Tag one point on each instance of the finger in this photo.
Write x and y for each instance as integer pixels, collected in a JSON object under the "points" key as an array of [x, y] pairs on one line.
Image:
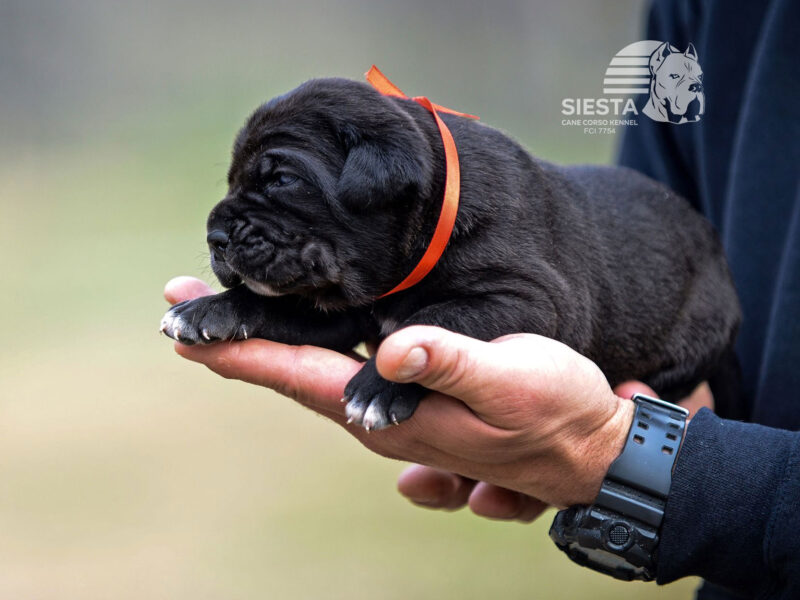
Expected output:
{"points": [[434, 488], [701, 397], [316, 378], [494, 502], [183, 288], [313, 376], [627, 389], [453, 364]]}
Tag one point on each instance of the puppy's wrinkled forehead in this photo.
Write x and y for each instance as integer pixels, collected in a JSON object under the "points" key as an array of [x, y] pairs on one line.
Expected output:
{"points": [[309, 128]]}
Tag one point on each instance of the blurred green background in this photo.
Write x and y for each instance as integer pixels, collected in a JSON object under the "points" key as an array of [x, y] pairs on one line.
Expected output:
{"points": [[126, 472]]}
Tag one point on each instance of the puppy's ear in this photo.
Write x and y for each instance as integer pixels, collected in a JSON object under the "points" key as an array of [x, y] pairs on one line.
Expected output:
{"points": [[383, 167], [691, 52], [658, 56]]}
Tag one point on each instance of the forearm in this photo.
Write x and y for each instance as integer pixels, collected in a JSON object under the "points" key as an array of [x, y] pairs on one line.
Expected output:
{"points": [[732, 514]]}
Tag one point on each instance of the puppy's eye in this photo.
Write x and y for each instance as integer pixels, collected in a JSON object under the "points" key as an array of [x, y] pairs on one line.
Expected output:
{"points": [[283, 179], [674, 75]]}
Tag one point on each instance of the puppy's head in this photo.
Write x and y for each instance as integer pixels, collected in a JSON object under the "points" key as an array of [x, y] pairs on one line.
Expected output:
{"points": [[677, 82], [319, 185]]}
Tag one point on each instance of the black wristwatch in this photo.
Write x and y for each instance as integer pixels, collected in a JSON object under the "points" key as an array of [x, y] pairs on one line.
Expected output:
{"points": [[618, 535]]}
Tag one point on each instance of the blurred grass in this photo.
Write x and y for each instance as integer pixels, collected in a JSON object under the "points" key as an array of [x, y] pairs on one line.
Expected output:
{"points": [[126, 472]]}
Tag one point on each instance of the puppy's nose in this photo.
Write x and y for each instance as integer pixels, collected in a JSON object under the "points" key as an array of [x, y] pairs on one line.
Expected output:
{"points": [[696, 87], [217, 239]]}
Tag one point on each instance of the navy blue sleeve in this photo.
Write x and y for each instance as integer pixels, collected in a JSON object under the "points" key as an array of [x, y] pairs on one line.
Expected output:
{"points": [[733, 512]]}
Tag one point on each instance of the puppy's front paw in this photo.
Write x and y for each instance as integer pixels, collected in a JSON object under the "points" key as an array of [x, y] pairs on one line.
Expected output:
{"points": [[202, 321], [376, 403]]}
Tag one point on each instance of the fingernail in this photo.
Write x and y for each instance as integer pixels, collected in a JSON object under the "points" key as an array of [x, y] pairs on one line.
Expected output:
{"points": [[413, 364], [427, 502]]}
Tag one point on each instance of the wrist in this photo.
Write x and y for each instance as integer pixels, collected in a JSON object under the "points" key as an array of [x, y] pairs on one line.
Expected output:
{"points": [[606, 445]]}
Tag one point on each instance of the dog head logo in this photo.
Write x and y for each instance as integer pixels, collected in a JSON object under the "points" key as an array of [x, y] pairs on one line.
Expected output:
{"points": [[676, 85]]}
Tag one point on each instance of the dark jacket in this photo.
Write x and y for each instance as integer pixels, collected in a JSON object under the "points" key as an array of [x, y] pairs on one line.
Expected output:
{"points": [[733, 513]]}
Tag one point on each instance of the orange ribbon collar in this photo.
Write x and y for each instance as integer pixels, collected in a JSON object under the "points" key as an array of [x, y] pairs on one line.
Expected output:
{"points": [[447, 216]]}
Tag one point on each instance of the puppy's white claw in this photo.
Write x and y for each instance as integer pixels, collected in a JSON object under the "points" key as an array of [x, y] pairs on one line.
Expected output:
{"points": [[177, 333], [343, 400], [394, 419], [205, 334], [244, 331], [350, 420], [163, 327]]}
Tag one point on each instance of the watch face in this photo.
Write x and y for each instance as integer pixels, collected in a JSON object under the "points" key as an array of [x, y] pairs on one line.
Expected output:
{"points": [[606, 542], [602, 558]]}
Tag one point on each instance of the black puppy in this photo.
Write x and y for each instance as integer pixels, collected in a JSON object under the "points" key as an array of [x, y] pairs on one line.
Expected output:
{"points": [[334, 193]]}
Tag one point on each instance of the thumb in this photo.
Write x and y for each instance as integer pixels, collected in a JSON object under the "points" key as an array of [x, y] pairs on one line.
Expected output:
{"points": [[446, 362], [185, 288]]}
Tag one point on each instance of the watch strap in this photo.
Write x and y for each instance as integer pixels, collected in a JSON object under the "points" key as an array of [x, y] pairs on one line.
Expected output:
{"points": [[638, 481]]}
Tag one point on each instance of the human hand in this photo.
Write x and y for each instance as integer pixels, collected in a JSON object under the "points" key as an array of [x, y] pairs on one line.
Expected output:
{"points": [[434, 488], [522, 413]]}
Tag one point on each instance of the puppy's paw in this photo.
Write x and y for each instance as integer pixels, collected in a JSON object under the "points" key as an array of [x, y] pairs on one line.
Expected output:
{"points": [[376, 403], [202, 321]]}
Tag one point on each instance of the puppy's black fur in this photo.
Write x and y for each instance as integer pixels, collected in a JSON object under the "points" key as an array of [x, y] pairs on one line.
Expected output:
{"points": [[334, 193]]}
